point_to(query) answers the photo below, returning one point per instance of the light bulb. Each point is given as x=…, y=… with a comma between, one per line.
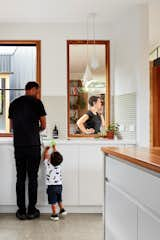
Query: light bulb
x=88, y=74
x=94, y=63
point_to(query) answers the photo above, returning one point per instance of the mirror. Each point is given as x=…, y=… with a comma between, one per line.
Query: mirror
x=88, y=81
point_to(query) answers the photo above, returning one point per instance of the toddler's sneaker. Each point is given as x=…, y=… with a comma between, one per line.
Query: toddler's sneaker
x=54, y=217
x=63, y=212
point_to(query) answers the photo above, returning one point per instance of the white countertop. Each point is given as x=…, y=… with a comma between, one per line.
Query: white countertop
x=72, y=141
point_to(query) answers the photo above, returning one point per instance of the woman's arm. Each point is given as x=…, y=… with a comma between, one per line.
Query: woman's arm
x=100, y=112
x=103, y=121
x=81, y=126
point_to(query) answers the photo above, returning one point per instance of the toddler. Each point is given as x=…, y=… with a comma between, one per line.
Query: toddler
x=52, y=163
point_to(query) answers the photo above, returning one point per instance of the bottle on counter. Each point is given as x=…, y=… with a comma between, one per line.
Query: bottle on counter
x=55, y=132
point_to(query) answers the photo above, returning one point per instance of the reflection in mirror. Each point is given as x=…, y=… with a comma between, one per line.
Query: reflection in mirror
x=18, y=65
x=88, y=87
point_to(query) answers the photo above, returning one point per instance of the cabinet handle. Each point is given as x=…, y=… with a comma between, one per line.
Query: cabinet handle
x=106, y=179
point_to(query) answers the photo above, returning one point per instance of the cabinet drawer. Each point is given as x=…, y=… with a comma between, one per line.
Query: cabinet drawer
x=120, y=216
x=149, y=227
x=137, y=182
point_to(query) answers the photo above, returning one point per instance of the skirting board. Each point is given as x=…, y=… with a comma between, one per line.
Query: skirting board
x=47, y=209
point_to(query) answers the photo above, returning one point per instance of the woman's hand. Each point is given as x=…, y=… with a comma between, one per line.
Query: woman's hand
x=90, y=130
x=100, y=111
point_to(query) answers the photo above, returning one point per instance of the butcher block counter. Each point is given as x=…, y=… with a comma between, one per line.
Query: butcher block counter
x=131, y=193
x=145, y=157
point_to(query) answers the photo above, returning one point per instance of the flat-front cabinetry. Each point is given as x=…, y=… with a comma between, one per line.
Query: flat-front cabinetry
x=70, y=173
x=90, y=176
x=149, y=226
x=132, y=206
x=120, y=210
x=7, y=175
x=82, y=175
x=82, y=170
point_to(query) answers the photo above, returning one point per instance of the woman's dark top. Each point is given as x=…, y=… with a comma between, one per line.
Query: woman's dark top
x=94, y=121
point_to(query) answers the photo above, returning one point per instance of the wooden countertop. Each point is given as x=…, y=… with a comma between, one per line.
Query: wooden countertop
x=145, y=157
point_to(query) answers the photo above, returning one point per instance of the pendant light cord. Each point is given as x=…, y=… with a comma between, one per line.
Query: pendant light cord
x=94, y=41
x=87, y=39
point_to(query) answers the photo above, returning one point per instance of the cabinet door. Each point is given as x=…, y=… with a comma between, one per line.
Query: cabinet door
x=90, y=175
x=70, y=173
x=120, y=216
x=149, y=226
x=7, y=175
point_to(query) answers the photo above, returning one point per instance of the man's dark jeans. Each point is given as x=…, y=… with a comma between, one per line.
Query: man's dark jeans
x=27, y=163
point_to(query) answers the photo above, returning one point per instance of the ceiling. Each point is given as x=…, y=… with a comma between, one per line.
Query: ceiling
x=78, y=57
x=63, y=10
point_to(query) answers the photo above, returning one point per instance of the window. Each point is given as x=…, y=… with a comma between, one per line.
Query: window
x=19, y=63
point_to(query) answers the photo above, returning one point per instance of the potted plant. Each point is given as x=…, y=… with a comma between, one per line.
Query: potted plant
x=112, y=130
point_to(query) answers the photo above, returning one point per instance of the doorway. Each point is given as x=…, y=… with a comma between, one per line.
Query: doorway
x=155, y=102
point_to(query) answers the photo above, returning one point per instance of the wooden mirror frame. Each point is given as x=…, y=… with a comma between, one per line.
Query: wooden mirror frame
x=107, y=96
x=37, y=44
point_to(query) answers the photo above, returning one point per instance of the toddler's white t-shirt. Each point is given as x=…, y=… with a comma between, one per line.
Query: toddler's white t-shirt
x=53, y=174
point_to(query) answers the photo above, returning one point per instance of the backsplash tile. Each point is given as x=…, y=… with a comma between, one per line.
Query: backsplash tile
x=125, y=114
x=56, y=108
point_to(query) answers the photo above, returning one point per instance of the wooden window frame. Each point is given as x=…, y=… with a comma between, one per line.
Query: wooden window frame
x=37, y=44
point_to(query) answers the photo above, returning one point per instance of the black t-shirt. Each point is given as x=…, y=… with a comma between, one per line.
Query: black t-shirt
x=25, y=112
x=94, y=121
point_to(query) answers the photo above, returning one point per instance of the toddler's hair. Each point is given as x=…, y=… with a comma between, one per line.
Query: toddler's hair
x=56, y=158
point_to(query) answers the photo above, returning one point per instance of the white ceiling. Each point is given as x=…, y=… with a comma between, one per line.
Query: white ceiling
x=63, y=10
x=78, y=57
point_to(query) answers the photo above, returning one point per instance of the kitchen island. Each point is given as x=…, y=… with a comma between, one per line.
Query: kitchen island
x=132, y=193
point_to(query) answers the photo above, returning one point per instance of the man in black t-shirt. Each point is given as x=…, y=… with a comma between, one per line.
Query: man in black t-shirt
x=27, y=116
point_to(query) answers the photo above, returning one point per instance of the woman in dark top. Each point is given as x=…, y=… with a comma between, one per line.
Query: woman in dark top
x=93, y=120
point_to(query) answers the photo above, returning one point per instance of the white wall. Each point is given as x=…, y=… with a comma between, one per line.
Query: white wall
x=154, y=20
x=54, y=61
x=132, y=65
x=53, y=37
x=129, y=61
x=143, y=94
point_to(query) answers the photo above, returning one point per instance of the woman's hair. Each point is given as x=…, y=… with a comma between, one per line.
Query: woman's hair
x=92, y=100
x=56, y=159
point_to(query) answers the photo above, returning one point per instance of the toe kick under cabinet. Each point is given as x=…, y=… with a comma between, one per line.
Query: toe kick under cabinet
x=132, y=201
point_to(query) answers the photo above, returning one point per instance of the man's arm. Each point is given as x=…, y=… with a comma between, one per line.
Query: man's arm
x=11, y=123
x=42, y=123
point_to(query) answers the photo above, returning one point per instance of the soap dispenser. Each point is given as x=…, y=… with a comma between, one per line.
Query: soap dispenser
x=55, y=132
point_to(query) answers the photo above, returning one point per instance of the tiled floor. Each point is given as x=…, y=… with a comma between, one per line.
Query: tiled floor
x=73, y=227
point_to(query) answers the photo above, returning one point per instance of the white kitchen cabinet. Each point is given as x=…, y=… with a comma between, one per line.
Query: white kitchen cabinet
x=82, y=171
x=149, y=226
x=7, y=176
x=70, y=173
x=90, y=167
x=121, y=216
x=131, y=201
